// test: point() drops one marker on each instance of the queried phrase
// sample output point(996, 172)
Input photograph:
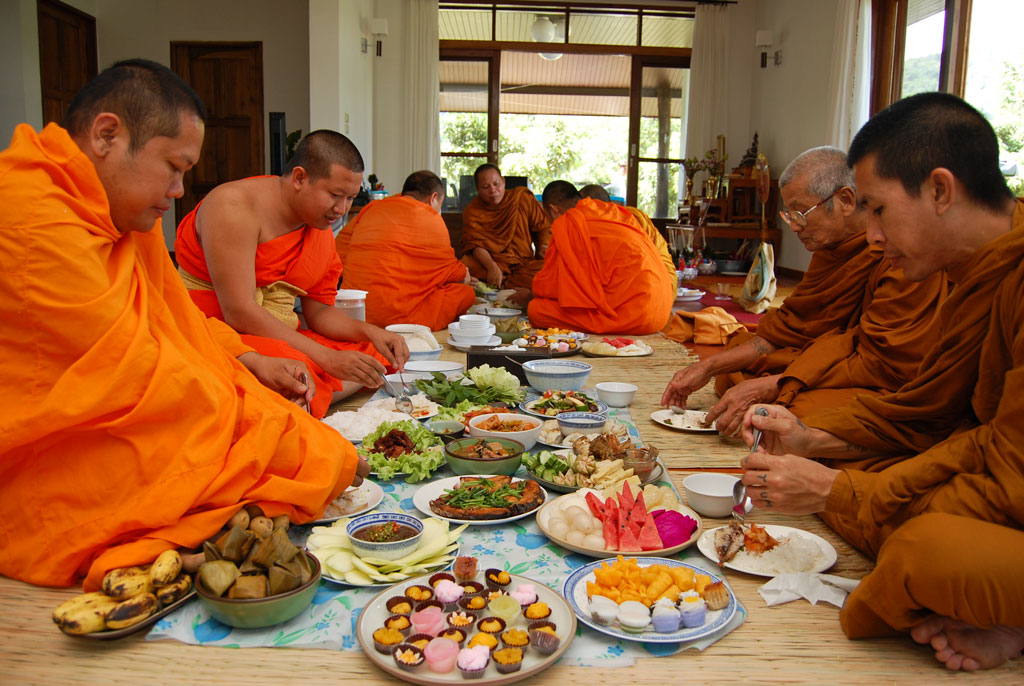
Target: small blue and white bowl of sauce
point(557, 375)
point(581, 422)
point(384, 535)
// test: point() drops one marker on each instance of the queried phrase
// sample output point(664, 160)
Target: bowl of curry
point(476, 455)
point(520, 427)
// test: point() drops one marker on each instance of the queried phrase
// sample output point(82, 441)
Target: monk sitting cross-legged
point(596, 192)
point(854, 325)
point(942, 507)
point(251, 246)
point(130, 423)
point(500, 229)
point(398, 250)
point(602, 273)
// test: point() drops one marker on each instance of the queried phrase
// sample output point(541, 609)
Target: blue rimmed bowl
point(581, 422)
point(557, 375)
point(384, 550)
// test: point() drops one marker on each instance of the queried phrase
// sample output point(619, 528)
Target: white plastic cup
point(352, 302)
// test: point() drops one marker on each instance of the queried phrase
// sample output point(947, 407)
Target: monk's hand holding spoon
point(290, 378)
point(787, 484)
point(350, 365)
point(729, 410)
point(783, 432)
point(389, 344)
point(684, 383)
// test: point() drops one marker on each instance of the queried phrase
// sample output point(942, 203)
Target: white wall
point(389, 136)
point(340, 73)
point(21, 99)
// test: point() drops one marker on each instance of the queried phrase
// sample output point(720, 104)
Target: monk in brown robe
point(854, 325)
point(592, 190)
point(504, 232)
point(939, 493)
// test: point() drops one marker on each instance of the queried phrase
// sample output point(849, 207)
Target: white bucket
point(353, 302)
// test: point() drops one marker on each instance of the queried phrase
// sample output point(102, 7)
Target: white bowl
point(710, 494)
point(417, 330)
point(498, 313)
point(616, 393)
point(449, 369)
point(410, 381)
point(425, 354)
point(527, 438)
point(473, 322)
point(556, 375)
point(463, 337)
point(581, 422)
point(404, 329)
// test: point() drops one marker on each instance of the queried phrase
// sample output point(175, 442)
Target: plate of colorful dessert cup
point(547, 640)
point(575, 592)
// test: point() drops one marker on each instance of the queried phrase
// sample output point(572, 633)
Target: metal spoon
point(402, 402)
point(739, 491)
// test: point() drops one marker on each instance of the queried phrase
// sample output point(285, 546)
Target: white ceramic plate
point(373, 615)
point(354, 501)
point(465, 348)
point(575, 591)
point(706, 545)
point(691, 421)
point(435, 489)
point(689, 294)
point(526, 406)
point(647, 352)
point(545, 512)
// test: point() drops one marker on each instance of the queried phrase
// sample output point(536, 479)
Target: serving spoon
point(739, 491)
point(402, 401)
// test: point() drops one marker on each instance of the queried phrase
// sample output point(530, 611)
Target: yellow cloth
point(710, 326)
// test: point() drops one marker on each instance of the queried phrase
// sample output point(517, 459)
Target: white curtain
point(709, 78)
point(421, 86)
point(849, 82)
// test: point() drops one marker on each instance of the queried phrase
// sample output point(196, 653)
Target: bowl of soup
point(478, 455)
point(557, 375)
point(518, 427)
point(384, 535)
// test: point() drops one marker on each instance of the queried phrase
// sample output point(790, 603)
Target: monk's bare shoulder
point(241, 205)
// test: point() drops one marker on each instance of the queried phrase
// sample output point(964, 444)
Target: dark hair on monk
point(320, 150)
point(825, 169)
point(423, 184)
point(923, 132)
point(561, 194)
point(148, 97)
point(481, 169)
point(592, 190)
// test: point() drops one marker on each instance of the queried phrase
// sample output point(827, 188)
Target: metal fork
point(739, 491)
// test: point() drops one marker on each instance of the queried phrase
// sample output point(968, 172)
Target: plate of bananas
point(131, 599)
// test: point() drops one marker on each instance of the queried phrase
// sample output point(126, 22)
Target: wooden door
point(67, 55)
point(229, 79)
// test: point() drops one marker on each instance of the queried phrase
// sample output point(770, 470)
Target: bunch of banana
point(130, 595)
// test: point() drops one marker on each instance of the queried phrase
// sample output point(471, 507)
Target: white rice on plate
point(794, 553)
point(356, 425)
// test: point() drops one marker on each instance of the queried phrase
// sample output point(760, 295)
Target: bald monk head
point(592, 190)
point(559, 197)
point(490, 184)
point(322, 178)
point(426, 187)
point(142, 128)
point(820, 197)
point(927, 170)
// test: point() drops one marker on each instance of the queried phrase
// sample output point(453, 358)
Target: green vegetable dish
point(471, 495)
point(546, 464)
point(405, 447)
point(487, 385)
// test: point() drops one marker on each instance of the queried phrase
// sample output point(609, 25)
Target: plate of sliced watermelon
point(591, 525)
point(617, 347)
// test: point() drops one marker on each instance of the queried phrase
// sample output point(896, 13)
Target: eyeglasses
point(800, 218)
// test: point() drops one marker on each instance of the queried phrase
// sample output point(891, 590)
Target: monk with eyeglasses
point(854, 324)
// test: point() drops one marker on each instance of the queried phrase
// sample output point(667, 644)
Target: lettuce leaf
point(419, 465)
point(497, 380)
point(455, 413)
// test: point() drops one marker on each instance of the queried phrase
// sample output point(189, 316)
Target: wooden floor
point(794, 643)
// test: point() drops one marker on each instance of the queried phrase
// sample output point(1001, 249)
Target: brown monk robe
point(507, 223)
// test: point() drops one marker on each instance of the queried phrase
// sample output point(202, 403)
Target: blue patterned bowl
point(556, 375)
point(389, 550)
point(581, 422)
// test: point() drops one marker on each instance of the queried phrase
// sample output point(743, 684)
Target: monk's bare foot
point(961, 646)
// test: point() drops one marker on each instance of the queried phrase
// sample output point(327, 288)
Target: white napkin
point(814, 587)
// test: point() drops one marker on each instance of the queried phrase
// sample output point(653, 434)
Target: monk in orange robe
point(132, 424)
point(930, 479)
point(505, 233)
point(399, 251)
point(854, 325)
point(597, 192)
point(252, 246)
point(602, 274)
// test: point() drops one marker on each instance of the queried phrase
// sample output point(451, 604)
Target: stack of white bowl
point(471, 329)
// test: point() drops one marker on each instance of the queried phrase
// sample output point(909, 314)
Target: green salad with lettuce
point(485, 385)
point(427, 457)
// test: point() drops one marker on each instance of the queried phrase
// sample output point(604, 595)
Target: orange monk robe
point(306, 260)
point(659, 243)
point(958, 427)
point(507, 231)
point(601, 274)
point(126, 428)
point(830, 297)
point(399, 251)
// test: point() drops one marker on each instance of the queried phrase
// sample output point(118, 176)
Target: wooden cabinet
point(738, 214)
